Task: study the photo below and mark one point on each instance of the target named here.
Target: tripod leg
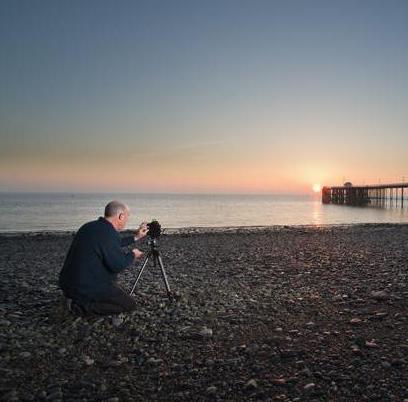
(166, 282)
(140, 273)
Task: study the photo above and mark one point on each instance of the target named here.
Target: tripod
(157, 260)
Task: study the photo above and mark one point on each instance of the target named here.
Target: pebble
(206, 332)
(117, 320)
(380, 295)
(154, 362)
(355, 321)
(309, 386)
(212, 390)
(371, 344)
(88, 361)
(279, 381)
(251, 384)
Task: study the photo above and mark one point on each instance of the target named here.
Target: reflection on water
(25, 212)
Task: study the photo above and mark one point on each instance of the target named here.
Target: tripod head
(154, 245)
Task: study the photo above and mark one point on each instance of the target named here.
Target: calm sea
(62, 211)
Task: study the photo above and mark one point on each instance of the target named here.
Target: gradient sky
(202, 96)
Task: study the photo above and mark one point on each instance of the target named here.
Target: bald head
(115, 208)
(117, 213)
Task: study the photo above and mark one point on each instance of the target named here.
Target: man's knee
(128, 302)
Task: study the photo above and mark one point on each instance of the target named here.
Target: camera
(154, 231)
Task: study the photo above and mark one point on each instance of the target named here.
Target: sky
(202, 96)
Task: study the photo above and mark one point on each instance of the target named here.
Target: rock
(251, 384)
(88, 361)
(206, 332)
(355, 321)
(381, 314)
(212, 390)
(279, 381)
(25, 355)
(380, 295)
(386, 364)
(398, 362)
(113, 399)
(309, 386)
(118, 320)
(154, 362)
(371, 344)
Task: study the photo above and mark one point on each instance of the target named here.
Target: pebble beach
(260, 314)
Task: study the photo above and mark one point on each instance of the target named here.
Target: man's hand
(137, 253)
(142, 231)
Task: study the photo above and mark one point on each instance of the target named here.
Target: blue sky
(224, 96)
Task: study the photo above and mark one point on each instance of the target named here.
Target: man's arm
(127, 241)
(116, 260)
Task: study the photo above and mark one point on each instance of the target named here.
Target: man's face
(123, 219)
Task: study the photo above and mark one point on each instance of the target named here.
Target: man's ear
(121, 216)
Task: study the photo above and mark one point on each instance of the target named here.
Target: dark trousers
(113, 301)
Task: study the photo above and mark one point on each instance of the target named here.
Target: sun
(316, 188)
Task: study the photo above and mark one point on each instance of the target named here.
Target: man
(88, 277)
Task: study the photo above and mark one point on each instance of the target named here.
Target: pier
(382, 195)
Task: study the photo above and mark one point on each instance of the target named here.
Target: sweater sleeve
(126, 241)
(114, 258)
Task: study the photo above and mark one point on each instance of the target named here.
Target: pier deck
(377, 194)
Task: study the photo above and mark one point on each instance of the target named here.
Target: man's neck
(113, 222)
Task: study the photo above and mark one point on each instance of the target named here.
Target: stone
(279, 381)
(371, 344)
(251, 384)
(206, 332)
(88, 361)
(154, 362)
(309, 386)
(118, 320)
(355, 321)
(212, 390)
(380, 295)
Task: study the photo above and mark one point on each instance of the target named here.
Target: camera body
(154, 231)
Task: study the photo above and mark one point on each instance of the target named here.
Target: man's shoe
(74, 307)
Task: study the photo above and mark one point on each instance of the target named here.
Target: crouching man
(88, 277)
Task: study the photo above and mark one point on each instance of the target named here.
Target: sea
(27, 212)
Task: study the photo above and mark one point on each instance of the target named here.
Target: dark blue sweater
(94, 260)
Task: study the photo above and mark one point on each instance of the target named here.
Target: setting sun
(316, 188)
